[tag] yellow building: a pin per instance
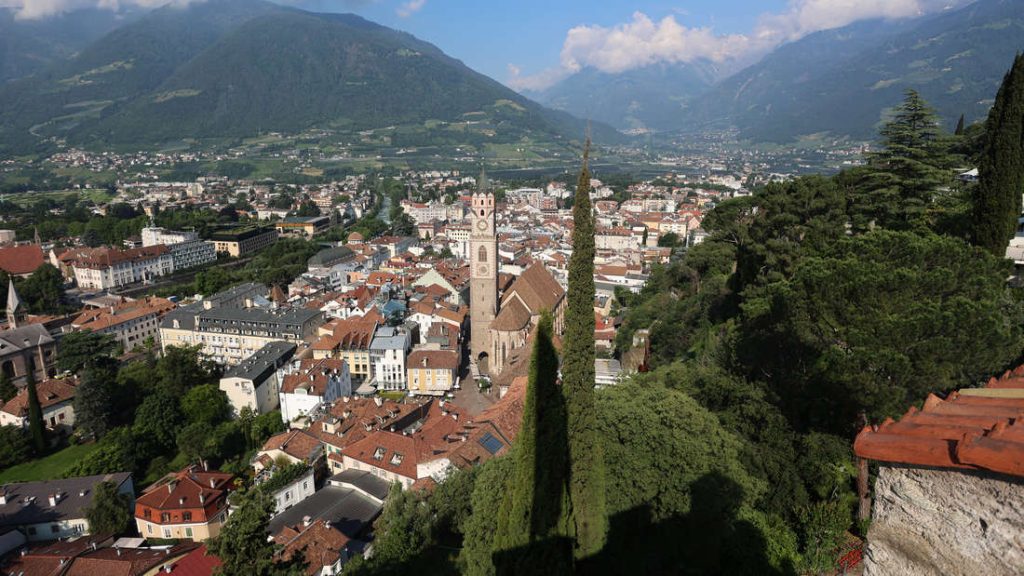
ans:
(432, 372)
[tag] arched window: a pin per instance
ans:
(481, 213)
(482, 254)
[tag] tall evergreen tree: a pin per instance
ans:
(94, 400)
(912, 164)
(997, 198)
(959, 127)
(7, 388)
(35, 413)
(586, 474)
(532, 521)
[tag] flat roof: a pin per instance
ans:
(344, 508)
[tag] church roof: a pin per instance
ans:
(23, 259)
(537, 288)
(513, 317)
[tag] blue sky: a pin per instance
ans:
(530, 44)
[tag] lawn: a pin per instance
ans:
(49, 467)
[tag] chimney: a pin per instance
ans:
(54, 499)
(167, 568)
(3, 497)
(82, 492)
(202, 498)
(213, 482)
(181, 501)
(118, 550)
(306, 521)
(378, 401)
(170, 486)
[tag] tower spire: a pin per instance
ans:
(482, 184)
(15, 311)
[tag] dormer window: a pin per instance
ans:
(378, 454)
(396, 459)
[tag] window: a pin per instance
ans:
(54, 528)
(482, 254)
(147, 513)
(149, 528)
(165, 517)
(186, 516)
(167, 532)
(188, 532)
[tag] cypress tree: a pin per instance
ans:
(997, 198)
(532, 521)
(959, 127)
(35, 413)
(586, 474)
(7, 388)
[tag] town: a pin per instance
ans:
(388, 359)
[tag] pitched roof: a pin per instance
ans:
(537, 288)
(196, 563)
(313, 376)
(28, 502)
(24, 259)
(433, 359)
(321, 545)
(50, 392)
(512, 317)
(296, 443)
(974, 429)
(102, 318)
(186, 489)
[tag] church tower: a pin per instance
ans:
(15, 309)
(483, 282)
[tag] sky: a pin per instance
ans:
(531, 44)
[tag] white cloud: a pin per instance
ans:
(36, 9)
(643, 41)
(409, 8)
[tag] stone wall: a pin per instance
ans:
(945, 522)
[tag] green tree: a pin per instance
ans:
(110, 510)
(7, 388)
(35, 414)
(531, 523)
(997, 197)
(206, 403)
(159, 418)
(78, 349)
(586, 475)
(182, 368)
(94, 401)
(15, 446)
(242, 545)
(912, 165)
(43, 291)
(669, 240)
(481, 527)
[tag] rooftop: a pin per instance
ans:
(28, 502)
(263, 362)
(345, 508)
(971, 429)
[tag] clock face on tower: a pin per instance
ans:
(481, 269)
(481, 225)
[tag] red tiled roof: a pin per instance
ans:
(189, 489)
(50, 392)
(321, 545)
(102, 318)
(296, 443)
(196, 563)
(433, 359)
(975, 428)
(312, 375)
(24, 259)
(107, 257)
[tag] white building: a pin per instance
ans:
(113, 267)
(388, 352)
(255, 383)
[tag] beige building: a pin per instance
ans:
(534, 291)
(56, 398)
(191, 504)
(432, 372)
(256, 382)
(130, 323)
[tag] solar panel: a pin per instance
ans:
(490, 443)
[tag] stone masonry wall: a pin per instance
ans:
(945, 522)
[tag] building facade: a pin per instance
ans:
(243, 241)
(255, 383)
(191, 504)
(114, 268)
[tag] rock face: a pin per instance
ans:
(945, 522)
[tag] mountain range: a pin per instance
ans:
(235, 68)
(840, 81)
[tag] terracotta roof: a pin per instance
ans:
(400, 453)
(103, 318)
(183, 490)
(24, 259)
(321, 545)
(296, 443)
(107, 257)
(501, 421)
(974, 429)
(433, 359)
(512, 317)
(196, 563)
(312, 375)
(50, 392)
(537, 288)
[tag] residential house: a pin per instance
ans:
(432, 372)
(56, 398)
(388, 350)
(289, 447)
(54, 509)
(191, 504)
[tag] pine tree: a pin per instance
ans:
(912, 164)
(35, 413)
(586, 475)
(997, 198)
(532, 521)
